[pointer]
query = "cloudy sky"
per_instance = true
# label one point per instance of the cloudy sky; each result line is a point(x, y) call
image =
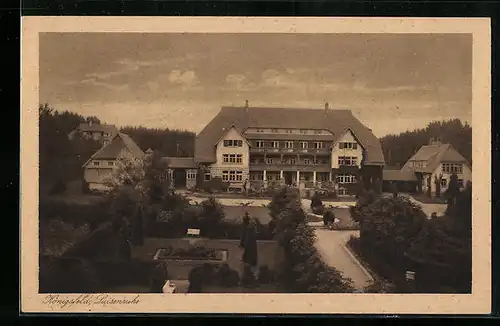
point(391, 82)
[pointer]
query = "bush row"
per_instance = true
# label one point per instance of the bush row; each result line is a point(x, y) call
point(303, 269)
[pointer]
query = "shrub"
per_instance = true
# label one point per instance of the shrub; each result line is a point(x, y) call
point(328, 217)
point(303, 269)
point(316, 200)
point(214, 185)
point(196, 280)
point(227, 277)
point(248, 277)
point(211, 215)
point(265, 275)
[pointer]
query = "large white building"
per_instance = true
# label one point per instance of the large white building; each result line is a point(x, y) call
point(262, 144)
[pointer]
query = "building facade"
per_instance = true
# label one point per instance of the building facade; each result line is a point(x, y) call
point(101, 164)
point(436, 163)
point(297, 147)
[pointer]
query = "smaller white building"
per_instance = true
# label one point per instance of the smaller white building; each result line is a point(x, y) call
point(436, 163)
point(101, 164)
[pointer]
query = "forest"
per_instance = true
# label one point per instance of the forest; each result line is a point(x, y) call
point(61, 159)
point(399, 148)
point(166, 142)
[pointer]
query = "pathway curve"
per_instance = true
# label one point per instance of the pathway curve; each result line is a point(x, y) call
point(332, 246)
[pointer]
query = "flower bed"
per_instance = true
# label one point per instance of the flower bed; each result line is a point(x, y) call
point(194, 253)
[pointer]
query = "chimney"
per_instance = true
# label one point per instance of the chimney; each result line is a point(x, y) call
point(246, 105)
point(90, 122)
point(327, 106)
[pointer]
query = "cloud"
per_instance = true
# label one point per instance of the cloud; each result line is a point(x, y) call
point(239, 82)
point(98, 83)
point(187, 78)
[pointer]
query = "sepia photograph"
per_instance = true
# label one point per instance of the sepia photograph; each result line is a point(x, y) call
point(279, 163)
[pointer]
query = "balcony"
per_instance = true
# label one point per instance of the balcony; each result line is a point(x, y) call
point(290, 167)
point(272, 150)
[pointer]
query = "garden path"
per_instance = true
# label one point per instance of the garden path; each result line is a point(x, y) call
point(332, 246)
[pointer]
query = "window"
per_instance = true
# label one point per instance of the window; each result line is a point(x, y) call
point(232, 175)
point(191, 175)
point(318, 145)
point(460, 183)
point(276, 144)
point(260, 130)
point(303, 145)
point(347, 160)
point(452, 168)
point(289, 131)
point(307, 161)
point(289, 144)
point(317, 132)
point(232, 158)
point(346, 178)
point(111, 163)
point(269, 161)
point(207, 176)
point(443, 182)
point(348, 145)
point(233, 143)
point(274, 130)
point(260, 144)
point(303, 131)
point(291, 161)
point(96, 163)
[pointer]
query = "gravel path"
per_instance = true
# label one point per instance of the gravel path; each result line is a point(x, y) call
point(332, 246)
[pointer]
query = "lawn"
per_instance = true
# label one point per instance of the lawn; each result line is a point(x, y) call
point(237, 212)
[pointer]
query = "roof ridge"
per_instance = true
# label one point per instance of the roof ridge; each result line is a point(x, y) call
point(230, 107)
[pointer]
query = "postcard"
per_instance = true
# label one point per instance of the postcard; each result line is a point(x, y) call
point(255, 165)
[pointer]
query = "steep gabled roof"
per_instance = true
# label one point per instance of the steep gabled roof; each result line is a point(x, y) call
point(113, 150)
point(433, 155)
point(348, 129)
point(336, 121)
point(226, 130)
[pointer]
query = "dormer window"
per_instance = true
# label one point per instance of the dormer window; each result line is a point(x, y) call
point(260, 130)
point(303, 131)
point(348, 145)
point(289, 131)
point(274, 130)
point(233, 143)
point(317, 132)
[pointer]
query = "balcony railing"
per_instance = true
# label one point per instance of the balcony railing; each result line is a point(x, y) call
point(290, 150)
point(290, 167)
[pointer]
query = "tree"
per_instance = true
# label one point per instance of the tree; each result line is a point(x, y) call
point(250, 255)
point(437, 183)
point(399, 148)
point(166, 142)
point(389, 226)
point(429, 191)
point(211, 215)
point(453, 189)
point(61, 159)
